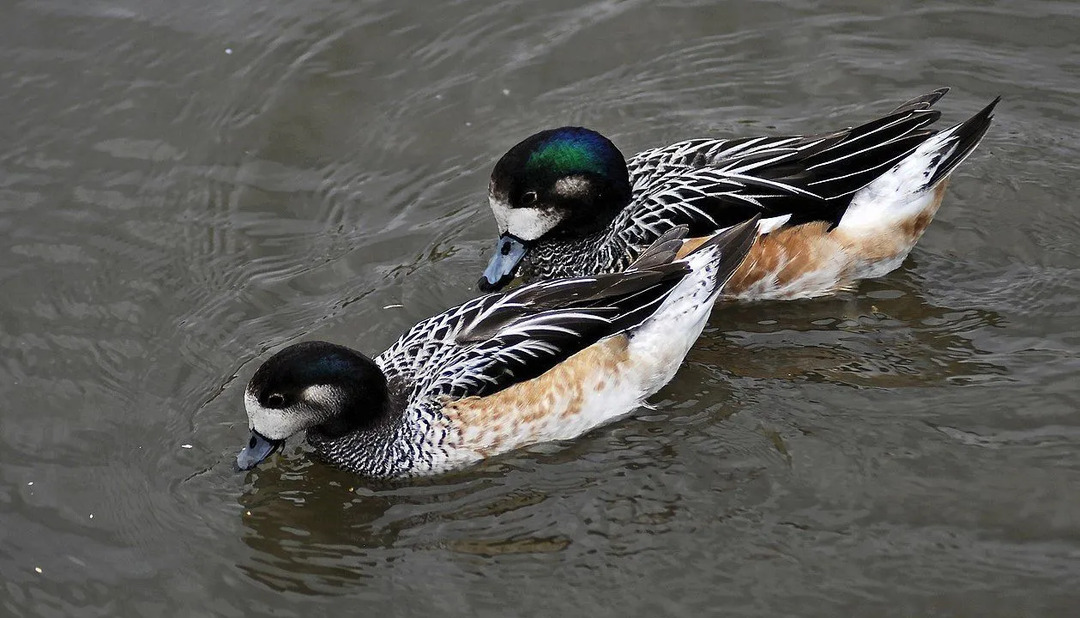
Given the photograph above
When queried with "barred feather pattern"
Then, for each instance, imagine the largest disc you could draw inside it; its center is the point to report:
(481, 347)
(712, 184)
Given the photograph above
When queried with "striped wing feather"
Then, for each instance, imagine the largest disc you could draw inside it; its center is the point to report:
(495, 341)
(709, 184)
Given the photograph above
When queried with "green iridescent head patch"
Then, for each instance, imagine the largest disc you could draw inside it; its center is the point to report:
(568, 151)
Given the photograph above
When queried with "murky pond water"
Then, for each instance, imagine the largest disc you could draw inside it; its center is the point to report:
(186, 186)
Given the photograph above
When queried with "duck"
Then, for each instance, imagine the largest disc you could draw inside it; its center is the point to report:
(545, 361)
(834, 208)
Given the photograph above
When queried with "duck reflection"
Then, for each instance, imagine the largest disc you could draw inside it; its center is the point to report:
(309, 527)
(887, 333)
(316, 530)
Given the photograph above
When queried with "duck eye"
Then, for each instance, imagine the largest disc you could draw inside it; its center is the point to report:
(275, 401)
(529, 197)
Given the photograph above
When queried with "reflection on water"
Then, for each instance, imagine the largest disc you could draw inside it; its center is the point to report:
(308, 537)
(313, 527)
(887, 334)
(316, 530)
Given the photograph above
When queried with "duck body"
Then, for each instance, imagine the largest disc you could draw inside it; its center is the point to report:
(834, 208)
(546, 361)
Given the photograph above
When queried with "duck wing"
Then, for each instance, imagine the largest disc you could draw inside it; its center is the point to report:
(495, 341)
(708, 184)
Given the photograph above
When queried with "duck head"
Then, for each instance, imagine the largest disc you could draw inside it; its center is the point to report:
(312, 386)
(561, 183)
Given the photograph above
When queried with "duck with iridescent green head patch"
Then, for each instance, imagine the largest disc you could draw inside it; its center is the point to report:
(834, 208)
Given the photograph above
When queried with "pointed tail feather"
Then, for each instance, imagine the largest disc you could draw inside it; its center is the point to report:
(962, 140)
(867, 150)
(906, 189)
(921, 102)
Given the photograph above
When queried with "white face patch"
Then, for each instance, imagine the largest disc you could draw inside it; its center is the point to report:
(530, 223)
(525, 223)
(501, 210)
(279, 424)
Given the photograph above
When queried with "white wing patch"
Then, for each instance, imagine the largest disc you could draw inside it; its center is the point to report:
(772, 223)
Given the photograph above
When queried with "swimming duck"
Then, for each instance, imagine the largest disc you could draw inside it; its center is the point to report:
(835, 207)
(546, 361)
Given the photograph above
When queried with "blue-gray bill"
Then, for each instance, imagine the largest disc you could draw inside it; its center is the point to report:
(500, 270)
(258, 448)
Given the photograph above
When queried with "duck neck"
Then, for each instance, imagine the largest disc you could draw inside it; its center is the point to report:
(405, 440)
(375, 452)
(601, 251)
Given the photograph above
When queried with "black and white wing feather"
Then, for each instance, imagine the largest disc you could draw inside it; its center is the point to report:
(707, 200)
(494, 341)
(704, 183)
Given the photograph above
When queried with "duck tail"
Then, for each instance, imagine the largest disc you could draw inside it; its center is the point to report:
(921, 102)
(914, 186)
(957, 143)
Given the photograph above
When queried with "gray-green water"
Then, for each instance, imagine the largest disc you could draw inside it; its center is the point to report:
(185, 186)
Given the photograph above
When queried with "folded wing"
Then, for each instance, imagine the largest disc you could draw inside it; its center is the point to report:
(709, 184)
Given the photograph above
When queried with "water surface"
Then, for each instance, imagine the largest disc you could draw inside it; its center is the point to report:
(187, 186)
